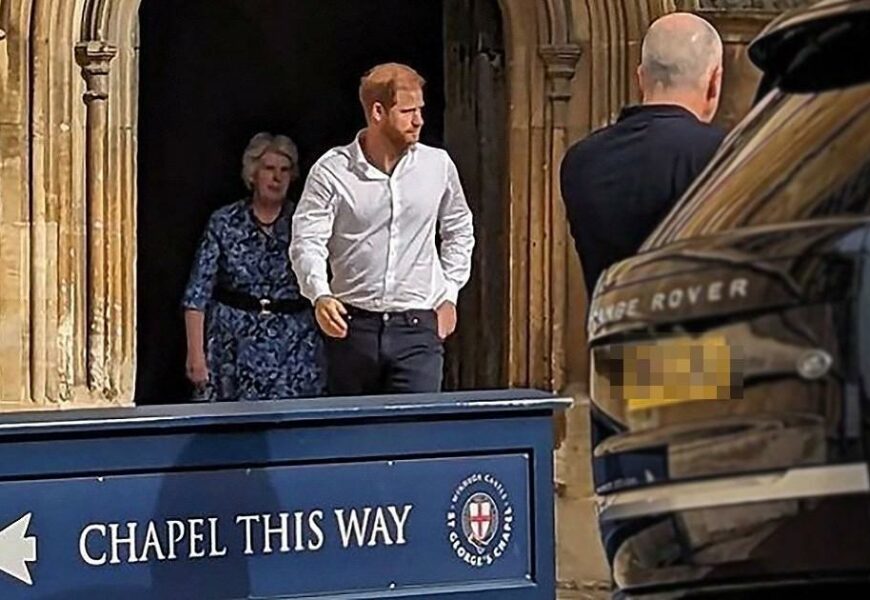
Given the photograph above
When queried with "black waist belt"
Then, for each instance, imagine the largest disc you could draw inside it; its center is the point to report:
(244, 301)
(369, 314)
(412, 316)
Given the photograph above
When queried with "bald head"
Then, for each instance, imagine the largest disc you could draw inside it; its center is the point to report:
(682, 64)
(680, 50)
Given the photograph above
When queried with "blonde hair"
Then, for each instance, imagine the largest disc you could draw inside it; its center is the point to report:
(262, 143)
(380, 84)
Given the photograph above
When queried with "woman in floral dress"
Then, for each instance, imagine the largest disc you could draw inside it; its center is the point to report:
(250, 334)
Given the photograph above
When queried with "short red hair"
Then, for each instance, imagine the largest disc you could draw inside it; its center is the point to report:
(381, 83)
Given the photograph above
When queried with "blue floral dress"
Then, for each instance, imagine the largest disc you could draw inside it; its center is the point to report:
(252, 356)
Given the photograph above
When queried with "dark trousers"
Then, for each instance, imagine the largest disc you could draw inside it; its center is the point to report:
(386, 353)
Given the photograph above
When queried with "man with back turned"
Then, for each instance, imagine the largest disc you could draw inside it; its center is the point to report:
(621, 181)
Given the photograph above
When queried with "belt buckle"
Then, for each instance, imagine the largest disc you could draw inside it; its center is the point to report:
(264, 306)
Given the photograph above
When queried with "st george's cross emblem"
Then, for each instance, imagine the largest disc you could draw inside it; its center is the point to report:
(480, 519)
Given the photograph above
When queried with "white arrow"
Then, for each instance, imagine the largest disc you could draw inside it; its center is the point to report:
(16, 550)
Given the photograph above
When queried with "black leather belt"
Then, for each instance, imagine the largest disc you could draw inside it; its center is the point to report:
(242, 301)
(413, 315)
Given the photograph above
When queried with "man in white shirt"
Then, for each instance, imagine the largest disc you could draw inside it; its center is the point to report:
(371, 209)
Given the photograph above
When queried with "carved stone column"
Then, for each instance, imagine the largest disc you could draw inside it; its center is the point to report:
(15, 238)
(560, 63)
(94, 59)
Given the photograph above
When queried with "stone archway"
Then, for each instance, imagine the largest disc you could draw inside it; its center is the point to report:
(68, 191)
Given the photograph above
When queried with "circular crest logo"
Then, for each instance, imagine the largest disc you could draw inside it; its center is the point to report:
(480, 520)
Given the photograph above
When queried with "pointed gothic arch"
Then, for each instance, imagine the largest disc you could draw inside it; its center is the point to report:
(68, 196)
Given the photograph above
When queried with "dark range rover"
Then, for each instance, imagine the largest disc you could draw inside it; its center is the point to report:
(731, 358)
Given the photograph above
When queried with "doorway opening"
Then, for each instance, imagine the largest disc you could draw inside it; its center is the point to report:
(214, 72)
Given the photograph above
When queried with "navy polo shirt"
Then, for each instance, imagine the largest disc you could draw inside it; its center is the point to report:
(621, 181)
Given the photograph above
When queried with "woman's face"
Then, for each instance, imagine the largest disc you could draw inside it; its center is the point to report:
(273, 177)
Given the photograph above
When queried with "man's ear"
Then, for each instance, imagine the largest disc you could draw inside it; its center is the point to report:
(714, 86)
(378, 112)
(639, 75)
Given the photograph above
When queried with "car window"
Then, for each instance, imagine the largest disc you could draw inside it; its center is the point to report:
(795, 157)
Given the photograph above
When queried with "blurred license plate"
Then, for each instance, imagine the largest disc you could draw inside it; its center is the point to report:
(677, 371)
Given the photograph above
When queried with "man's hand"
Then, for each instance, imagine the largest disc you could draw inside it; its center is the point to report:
(446, 314)
(330, 313)
(197, 369)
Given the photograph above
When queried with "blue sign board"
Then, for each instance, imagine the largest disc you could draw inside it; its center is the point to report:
(384, 523)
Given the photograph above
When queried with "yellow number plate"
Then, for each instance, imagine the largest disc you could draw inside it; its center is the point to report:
(677, 371)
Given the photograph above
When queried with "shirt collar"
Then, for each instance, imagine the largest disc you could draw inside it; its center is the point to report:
(652, 111)
(356, 152)
(360, 161)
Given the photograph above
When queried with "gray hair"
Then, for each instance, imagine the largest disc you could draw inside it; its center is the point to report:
(262, 143)
(680, 50)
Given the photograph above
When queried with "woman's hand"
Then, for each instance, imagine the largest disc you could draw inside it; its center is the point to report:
(197, 369)
(330, 313)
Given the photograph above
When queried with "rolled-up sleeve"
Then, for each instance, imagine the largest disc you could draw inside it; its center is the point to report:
(312, 229)
(456, 229)
(203, 274)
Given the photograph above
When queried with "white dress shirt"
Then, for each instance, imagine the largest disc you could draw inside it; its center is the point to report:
(378, 231)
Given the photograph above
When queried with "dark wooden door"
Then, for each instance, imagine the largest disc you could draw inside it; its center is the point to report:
(475, 134)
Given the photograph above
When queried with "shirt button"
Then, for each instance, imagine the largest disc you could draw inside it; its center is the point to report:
(386, 317)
